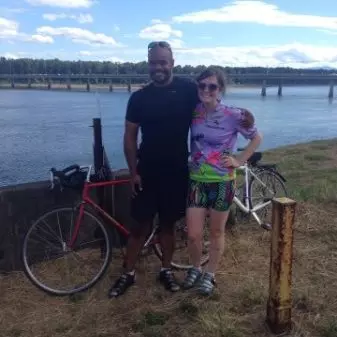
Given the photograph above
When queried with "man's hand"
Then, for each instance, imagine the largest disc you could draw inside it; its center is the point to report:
(136, 185)
(248, 120)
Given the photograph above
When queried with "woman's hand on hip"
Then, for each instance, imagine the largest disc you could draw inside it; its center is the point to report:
(229, 161)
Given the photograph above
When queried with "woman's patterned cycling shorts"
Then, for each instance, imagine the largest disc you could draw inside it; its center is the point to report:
(218, 196)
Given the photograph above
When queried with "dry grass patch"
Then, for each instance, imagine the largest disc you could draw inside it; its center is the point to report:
(238, 306)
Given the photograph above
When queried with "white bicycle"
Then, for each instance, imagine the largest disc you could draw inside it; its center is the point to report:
(261, 183)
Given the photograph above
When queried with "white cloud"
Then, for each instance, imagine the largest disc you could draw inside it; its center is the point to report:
(116, 28)
(8, 28)
(258, 12)
(62, 3)
(294, 55)
(159, 31)
(42, 38)
(78, 35)
(85, 53)
(81, 18)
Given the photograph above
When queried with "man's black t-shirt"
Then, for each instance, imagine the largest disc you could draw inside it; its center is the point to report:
(164, 115)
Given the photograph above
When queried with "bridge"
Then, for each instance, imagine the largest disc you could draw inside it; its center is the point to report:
(50, 80)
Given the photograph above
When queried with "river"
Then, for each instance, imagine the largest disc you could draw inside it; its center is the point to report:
(44, 129)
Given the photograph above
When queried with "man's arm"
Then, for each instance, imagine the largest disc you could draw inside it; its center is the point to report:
(130, 146)
(132, 122)
(248, 120)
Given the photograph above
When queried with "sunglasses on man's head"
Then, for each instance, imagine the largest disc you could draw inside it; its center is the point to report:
(161, 44)
(210, 87)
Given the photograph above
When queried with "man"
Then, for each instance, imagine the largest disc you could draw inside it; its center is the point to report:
(159, 169)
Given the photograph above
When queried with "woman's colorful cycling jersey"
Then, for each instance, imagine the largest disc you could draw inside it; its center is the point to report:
(214, 135)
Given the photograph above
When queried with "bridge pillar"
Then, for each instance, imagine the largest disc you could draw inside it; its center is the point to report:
(331, 89)
(279, 91)
(129, 86)
(264, 88)
(88, 85)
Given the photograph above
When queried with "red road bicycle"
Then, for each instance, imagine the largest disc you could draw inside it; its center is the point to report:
(75, 244)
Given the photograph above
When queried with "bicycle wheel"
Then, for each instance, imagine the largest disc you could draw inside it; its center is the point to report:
(181, 256)
(48, 259)
(263, 188)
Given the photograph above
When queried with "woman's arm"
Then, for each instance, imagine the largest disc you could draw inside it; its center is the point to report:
(249, 149)
(250, 133)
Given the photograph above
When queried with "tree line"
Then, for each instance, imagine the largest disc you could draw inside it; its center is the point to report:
(56, 66)
(24, 66)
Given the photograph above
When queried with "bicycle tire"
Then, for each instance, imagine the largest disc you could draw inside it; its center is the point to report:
(56, 292)
(275, 175)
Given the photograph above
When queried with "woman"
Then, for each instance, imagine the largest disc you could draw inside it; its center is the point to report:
(214, 131)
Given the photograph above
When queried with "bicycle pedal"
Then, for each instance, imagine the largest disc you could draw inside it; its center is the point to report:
(266, 226)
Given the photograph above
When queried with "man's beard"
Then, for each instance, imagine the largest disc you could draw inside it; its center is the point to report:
(163, 77)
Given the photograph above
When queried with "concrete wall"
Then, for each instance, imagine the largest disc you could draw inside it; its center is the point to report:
(22, 204)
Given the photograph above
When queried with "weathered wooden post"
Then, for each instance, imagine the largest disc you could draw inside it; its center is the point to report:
(264, 88)
(103, 173)
(98, 144)
(331, 89)
(102, 168)
(280, 301)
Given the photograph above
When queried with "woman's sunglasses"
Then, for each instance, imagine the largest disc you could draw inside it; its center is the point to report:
(210, 87)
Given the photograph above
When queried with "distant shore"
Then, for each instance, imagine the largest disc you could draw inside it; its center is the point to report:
(97, 87)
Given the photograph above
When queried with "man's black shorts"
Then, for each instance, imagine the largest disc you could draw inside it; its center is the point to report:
(163, 192)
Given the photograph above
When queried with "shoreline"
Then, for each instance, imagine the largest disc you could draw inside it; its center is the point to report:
(121, 87)
(267, 152)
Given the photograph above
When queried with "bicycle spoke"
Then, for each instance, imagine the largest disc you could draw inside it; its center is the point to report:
(62, 270)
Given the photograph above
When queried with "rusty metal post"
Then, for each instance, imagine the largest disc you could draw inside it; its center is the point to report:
(280, 301)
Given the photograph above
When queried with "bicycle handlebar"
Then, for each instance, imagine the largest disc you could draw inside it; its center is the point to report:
(72, 176)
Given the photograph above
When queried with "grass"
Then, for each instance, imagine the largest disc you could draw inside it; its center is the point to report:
(238, 307)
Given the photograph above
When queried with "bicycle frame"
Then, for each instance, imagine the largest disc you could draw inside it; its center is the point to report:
(86, 199)
(245, 207)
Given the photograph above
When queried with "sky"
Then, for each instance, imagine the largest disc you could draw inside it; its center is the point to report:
(295, 33)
